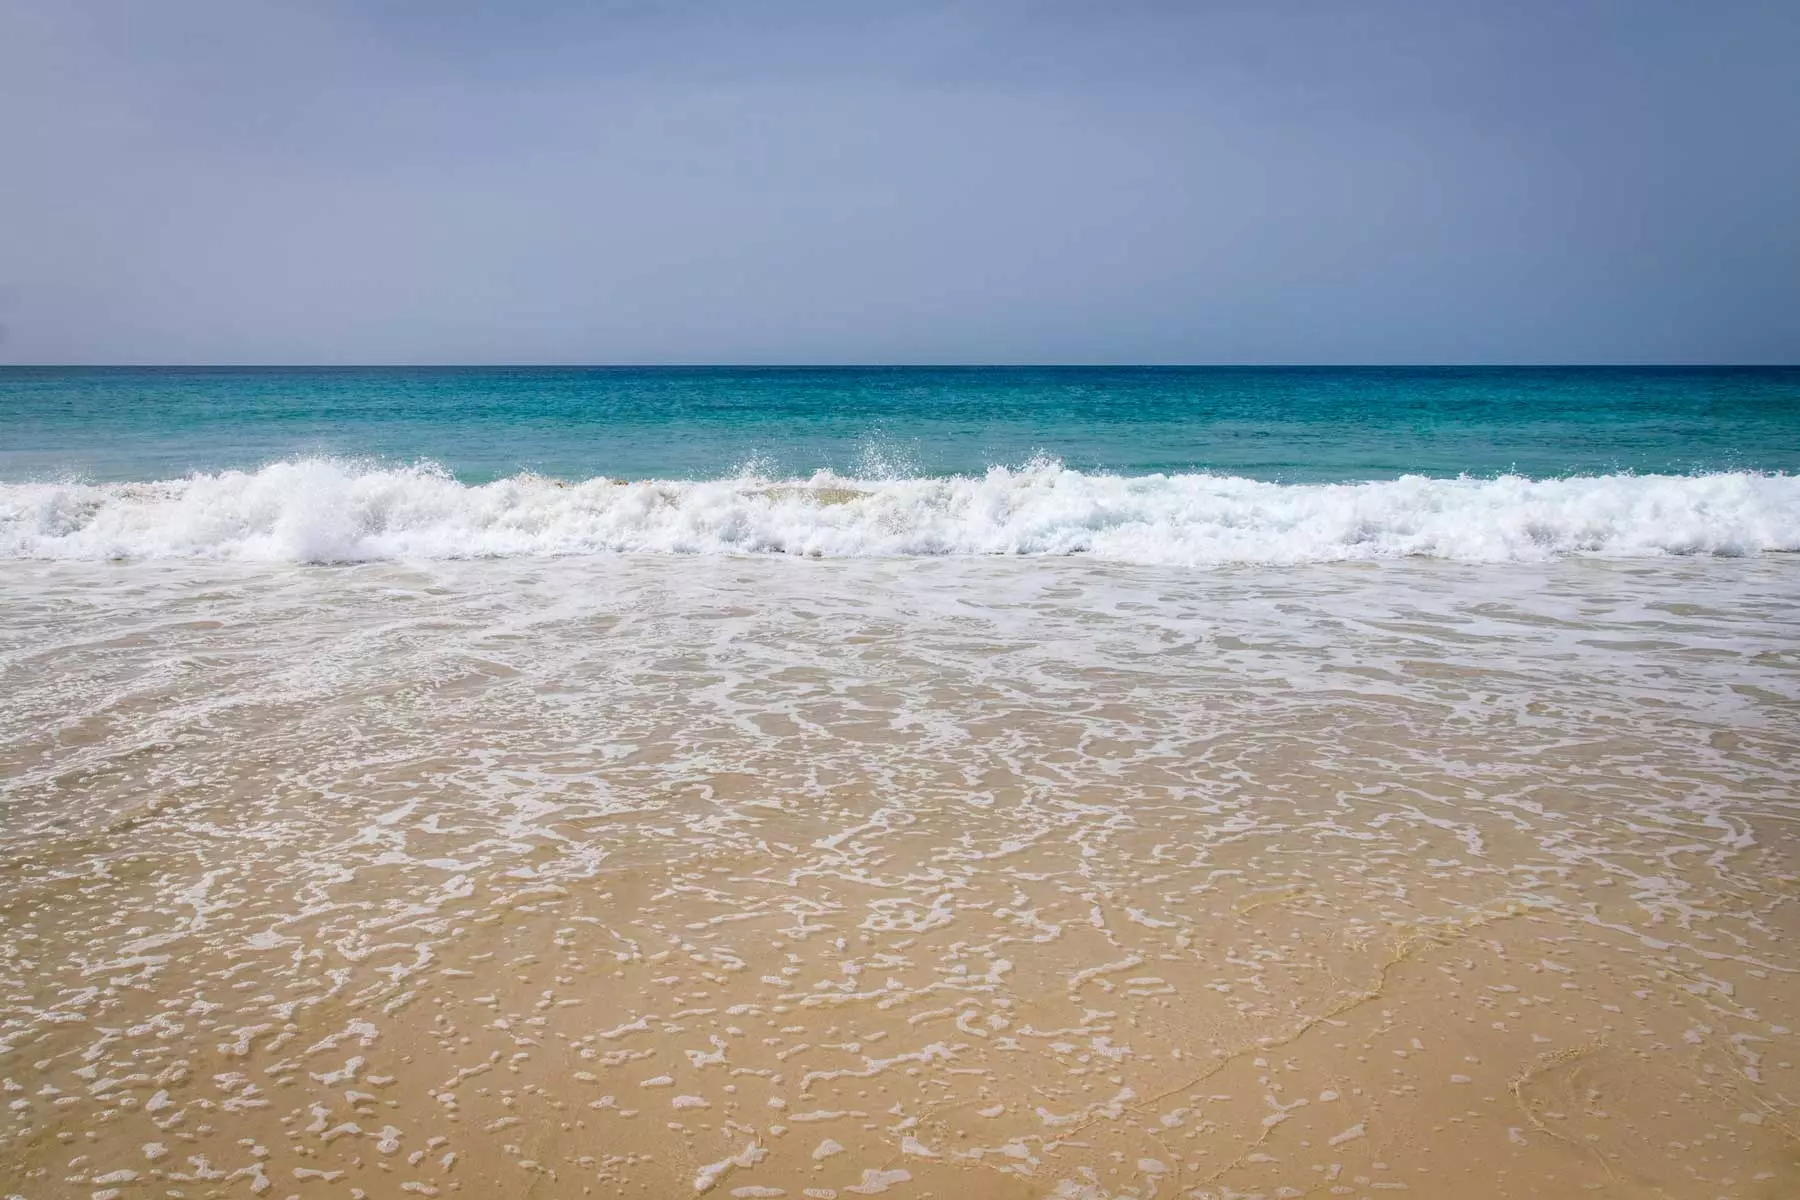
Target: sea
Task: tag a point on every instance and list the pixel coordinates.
(1031, 784)
(1182, 466)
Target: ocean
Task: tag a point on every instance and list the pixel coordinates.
(1015, 783)
(1152, 465)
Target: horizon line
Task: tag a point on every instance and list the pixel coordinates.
(893, 366)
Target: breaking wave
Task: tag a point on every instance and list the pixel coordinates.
(328, 510)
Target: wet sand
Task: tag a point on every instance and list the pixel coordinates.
(659, 877)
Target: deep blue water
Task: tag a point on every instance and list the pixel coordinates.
(1284, 424)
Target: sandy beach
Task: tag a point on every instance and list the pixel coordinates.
(663, 877)
(935, 601)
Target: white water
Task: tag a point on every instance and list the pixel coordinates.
(323, 510)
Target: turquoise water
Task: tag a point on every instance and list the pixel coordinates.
(1179, 467)
(1284, 425)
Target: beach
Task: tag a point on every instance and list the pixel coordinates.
(982, 601)
(662, 875)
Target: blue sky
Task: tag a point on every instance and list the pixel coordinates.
(401, 181)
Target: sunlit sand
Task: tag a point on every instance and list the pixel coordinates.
(657, 877)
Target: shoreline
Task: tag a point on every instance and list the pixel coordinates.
(1042, 877)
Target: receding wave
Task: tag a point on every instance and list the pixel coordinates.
(326, 510)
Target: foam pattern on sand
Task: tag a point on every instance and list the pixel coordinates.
(322, 510)
(770, 877)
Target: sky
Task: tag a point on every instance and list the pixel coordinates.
(789, 181)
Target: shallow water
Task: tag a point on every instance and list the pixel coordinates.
(648, 876)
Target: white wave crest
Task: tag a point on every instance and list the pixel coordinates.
(324, 510)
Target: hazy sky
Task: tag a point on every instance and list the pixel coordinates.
(853, 181)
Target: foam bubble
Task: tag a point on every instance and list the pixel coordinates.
(326, 510)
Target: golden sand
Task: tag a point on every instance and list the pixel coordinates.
(754, 879)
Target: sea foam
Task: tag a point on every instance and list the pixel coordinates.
(327, 510)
